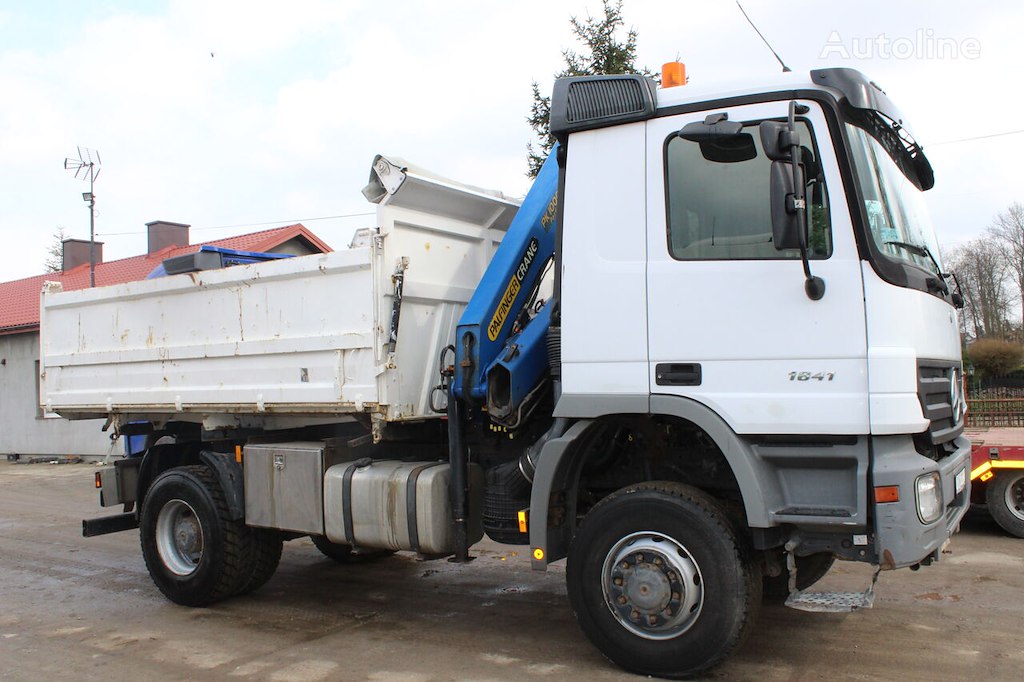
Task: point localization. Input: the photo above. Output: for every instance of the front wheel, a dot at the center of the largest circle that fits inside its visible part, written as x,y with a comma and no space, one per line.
660,582
1005,498
194,552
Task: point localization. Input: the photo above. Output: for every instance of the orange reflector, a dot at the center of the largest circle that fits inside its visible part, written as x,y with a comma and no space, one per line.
99,482
538,554
673,74
985,476
522,521
238,454
887,493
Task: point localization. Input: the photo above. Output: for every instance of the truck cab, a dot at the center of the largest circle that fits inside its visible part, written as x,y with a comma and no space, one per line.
675,300
808,383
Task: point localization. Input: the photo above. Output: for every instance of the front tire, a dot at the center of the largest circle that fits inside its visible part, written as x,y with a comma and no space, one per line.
1005,498
195,553
660,582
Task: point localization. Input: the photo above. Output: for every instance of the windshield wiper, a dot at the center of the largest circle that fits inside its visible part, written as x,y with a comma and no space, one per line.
925,252
922,251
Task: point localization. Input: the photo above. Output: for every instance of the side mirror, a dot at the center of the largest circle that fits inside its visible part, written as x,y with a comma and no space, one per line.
787,222
781,144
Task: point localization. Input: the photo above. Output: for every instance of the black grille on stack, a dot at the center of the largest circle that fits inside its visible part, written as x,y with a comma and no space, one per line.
587,102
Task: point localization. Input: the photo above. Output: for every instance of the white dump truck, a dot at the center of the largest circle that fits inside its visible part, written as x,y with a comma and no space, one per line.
712,351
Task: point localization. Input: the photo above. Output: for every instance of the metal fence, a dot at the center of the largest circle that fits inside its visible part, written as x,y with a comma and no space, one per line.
995,406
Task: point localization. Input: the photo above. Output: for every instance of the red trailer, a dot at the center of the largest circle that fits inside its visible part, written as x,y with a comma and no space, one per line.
997,475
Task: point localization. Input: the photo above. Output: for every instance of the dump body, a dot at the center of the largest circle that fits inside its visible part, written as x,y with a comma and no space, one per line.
300,338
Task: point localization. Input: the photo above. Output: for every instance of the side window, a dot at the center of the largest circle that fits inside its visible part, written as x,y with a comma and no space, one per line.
719,205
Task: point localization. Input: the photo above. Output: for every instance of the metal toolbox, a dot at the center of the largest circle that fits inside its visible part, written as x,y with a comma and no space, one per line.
397,505
284,485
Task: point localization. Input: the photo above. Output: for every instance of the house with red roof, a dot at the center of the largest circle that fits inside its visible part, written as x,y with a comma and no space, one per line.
25,429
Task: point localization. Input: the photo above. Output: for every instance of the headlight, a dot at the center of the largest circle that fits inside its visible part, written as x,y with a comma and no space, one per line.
929,497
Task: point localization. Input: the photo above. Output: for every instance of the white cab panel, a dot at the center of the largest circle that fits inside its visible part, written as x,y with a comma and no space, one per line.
604,312
904,326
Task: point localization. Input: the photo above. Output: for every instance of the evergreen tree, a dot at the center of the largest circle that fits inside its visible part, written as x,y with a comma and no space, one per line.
55,252
605,53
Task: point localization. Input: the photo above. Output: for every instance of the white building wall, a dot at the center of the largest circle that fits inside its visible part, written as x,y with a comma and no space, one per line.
24,430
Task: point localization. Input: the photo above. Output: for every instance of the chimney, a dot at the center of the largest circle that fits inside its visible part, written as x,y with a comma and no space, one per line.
163,234
76,252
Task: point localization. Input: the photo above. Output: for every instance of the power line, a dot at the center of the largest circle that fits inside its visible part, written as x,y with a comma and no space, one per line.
979,137
289,221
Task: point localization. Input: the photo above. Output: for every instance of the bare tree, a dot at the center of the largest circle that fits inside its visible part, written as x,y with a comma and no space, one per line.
983,272
1007,230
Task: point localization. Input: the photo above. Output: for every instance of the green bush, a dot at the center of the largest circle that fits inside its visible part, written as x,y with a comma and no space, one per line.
993,357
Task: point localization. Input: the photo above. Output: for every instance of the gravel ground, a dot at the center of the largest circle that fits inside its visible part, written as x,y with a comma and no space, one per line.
77,608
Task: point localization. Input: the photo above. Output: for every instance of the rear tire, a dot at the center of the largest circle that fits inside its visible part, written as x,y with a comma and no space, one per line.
1005,498
265,545
194,552
660,582
332,550
344,554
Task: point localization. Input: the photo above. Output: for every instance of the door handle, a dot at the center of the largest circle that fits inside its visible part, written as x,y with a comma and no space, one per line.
676,374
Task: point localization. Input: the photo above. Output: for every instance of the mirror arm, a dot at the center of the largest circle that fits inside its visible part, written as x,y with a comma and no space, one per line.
958,296
814,286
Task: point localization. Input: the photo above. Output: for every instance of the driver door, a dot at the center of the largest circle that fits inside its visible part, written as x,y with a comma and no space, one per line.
730,323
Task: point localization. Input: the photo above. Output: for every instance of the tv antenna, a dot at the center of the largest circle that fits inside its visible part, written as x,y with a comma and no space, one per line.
89,169
785,69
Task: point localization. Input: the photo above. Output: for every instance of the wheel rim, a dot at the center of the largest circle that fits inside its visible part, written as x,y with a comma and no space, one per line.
179,537
1014,497
652,585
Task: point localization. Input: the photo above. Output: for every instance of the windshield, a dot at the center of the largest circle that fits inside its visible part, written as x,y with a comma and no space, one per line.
896,211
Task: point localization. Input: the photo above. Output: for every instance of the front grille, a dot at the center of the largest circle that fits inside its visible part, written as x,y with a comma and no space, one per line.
940,390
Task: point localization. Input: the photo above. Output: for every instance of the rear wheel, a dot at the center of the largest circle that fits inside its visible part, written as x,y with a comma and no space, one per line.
194,552
264,554
1005,497
332,550
660,582
344,554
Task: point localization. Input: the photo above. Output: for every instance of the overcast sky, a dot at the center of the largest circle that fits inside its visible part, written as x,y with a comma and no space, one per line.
234,116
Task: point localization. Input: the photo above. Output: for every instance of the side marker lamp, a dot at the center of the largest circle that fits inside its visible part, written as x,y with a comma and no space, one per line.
887,493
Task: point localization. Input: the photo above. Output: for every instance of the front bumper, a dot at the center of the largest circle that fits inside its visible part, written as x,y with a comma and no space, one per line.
901,538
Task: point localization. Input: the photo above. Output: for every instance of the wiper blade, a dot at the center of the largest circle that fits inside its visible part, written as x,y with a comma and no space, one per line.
925,252
914,249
